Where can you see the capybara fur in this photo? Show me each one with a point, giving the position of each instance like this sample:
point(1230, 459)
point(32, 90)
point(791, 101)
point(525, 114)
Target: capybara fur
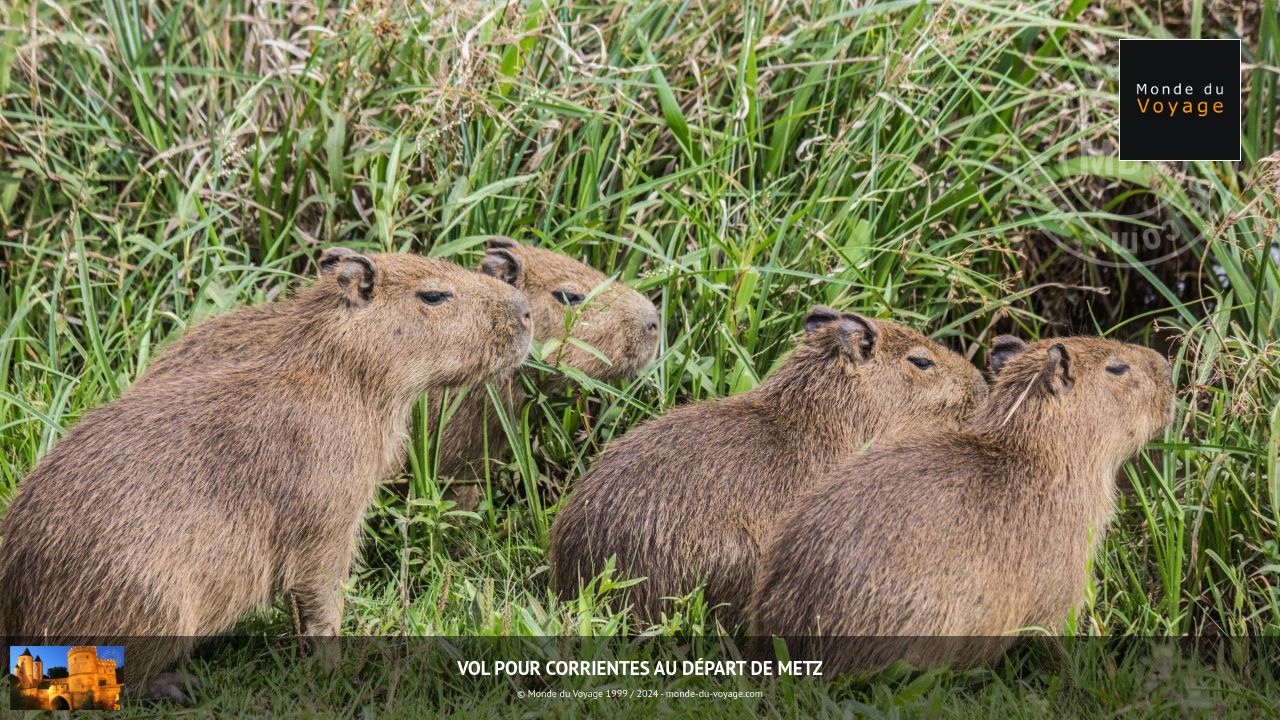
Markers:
point(620, 324)
point(195, 498)
point(690, 497)
point(971, 534)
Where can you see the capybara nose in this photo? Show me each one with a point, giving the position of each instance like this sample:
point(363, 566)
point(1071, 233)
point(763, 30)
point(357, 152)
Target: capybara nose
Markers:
point(521, 308)
point(649, 321)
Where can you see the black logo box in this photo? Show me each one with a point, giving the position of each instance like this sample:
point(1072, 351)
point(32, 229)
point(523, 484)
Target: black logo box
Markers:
point(1187, 65)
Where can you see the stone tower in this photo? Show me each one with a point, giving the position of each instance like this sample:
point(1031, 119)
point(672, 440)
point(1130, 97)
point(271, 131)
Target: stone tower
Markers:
point(82, 669)
point(26, 670)
point(82, 676)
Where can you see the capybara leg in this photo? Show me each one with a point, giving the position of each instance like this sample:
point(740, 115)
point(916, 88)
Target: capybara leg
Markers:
point(730, 571)
point(320, 612)
point(177, 687)
point(320, 608)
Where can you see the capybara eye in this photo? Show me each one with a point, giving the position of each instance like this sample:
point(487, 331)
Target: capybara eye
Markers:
point(565, 297)
point(923, 363)
point(434, 297)
point(1118, 368)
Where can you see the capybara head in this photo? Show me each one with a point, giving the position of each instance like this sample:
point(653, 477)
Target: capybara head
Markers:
point(922, 381)
point(1094, 390)
point(412, 315)
point(571, 300)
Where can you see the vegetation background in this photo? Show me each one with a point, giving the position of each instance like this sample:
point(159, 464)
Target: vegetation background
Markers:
point(942, 162)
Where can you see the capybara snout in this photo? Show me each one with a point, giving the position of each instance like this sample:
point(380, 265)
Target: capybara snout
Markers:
point(512, 321)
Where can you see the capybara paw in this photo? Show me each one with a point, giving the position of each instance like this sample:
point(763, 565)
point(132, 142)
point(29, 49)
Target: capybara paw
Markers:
point(326, 649)
point(330, 655)
point(177, 687)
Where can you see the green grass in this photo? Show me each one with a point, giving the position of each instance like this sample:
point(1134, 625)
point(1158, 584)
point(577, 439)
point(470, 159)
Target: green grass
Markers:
point(160, 162)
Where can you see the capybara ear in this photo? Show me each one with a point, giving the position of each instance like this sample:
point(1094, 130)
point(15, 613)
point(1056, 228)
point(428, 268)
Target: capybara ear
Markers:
point(859, 336)
point(1004, 348)
point(500, 264)
point(356, 274)
point(1057, 369)
point(819, 317)
point(500, 241)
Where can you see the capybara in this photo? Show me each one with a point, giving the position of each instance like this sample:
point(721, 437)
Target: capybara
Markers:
point(970, 534)
point(691, 497)
point(191, 500)
point(620, 325)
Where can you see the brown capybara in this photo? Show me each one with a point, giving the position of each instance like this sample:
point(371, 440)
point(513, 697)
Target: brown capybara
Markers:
point(691, 497)
point(973, 533)
point(171, 512)
point(618, 323)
